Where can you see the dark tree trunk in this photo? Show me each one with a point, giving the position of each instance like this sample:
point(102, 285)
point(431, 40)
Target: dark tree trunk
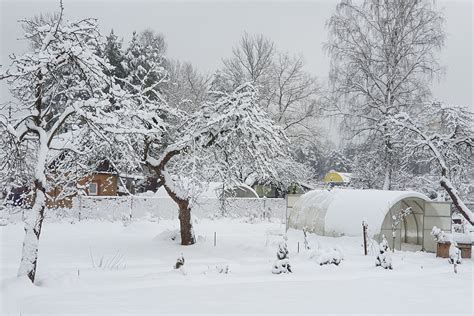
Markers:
point(186, 226)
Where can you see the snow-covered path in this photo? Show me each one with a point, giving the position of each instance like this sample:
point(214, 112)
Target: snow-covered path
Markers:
point(67, 282)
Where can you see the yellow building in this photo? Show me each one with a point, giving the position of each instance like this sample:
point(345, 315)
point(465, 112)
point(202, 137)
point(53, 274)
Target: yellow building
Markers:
point(337, 178)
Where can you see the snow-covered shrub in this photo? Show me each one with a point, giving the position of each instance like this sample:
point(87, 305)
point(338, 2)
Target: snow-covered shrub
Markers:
point(306, 242)
point(328, 256)
point(439, 235)
point(384, 259)
point(168, 235)
point(179, 262)
point(282, 264)
point(3, 222)
point(454, 254)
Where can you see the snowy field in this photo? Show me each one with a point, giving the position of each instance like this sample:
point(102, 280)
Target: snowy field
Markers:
point(144, 281)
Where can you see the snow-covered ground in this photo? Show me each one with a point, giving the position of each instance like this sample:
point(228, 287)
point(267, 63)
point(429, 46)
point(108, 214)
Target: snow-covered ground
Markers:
point(146, 283)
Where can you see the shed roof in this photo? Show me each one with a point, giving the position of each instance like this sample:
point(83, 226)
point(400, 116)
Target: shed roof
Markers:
point(341, 211)
point(336, 176)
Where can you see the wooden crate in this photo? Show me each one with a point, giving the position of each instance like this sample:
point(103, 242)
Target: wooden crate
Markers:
point(442, 250)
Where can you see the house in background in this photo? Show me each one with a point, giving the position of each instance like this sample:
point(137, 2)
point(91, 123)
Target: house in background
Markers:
point(137, 183)
point(337, 178)
point(103, 182)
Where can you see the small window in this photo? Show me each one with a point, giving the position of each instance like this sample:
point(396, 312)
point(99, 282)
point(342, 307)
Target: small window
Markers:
point(93, 188)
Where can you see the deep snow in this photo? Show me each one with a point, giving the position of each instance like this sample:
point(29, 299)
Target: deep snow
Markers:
point(68, 283)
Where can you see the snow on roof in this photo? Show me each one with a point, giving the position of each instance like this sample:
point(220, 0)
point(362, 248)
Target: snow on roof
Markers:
point(341, 211)
point(461, 238)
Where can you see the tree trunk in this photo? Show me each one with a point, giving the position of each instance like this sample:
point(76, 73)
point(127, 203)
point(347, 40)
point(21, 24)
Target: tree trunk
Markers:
point(457, 201)
point(387, 183)
point(186, 225)
point(33, 224)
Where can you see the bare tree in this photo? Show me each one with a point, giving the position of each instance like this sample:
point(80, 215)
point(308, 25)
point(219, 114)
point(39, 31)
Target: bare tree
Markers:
point(186, 89)
point(251, 62)
point(286, 90)
point(382, 62)
point(294, 96)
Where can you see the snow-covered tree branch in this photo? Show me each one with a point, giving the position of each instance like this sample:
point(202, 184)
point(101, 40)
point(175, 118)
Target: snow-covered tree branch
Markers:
point(445, 134)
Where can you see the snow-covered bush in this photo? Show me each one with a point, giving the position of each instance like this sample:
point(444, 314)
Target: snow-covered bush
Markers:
point(454, 253)
point(282, 264)
point(167, 235)
point(324, 256)
point(3, 222)
point(384, 259)
point(306, 242)
point(439, 235)
point(328, 256)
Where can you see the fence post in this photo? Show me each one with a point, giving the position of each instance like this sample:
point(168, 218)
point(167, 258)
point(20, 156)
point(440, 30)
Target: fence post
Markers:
point(80, 207)
point(364, 231)
point(264, 207)
point(215, 238)
point(131, 206)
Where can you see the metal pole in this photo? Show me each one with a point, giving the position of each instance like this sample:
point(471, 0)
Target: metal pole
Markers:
point(286, 213)
point(80, 206)
point(215, 238)
point(131, 206)
point(364, 230)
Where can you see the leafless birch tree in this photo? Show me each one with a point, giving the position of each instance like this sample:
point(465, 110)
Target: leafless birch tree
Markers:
point(383, 58)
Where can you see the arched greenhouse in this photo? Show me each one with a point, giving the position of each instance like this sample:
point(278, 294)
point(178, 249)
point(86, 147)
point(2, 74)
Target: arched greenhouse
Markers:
point(340, 212)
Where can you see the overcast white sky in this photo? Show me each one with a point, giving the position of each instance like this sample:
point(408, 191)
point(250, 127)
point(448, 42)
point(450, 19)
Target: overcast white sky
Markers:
point(203, 32)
